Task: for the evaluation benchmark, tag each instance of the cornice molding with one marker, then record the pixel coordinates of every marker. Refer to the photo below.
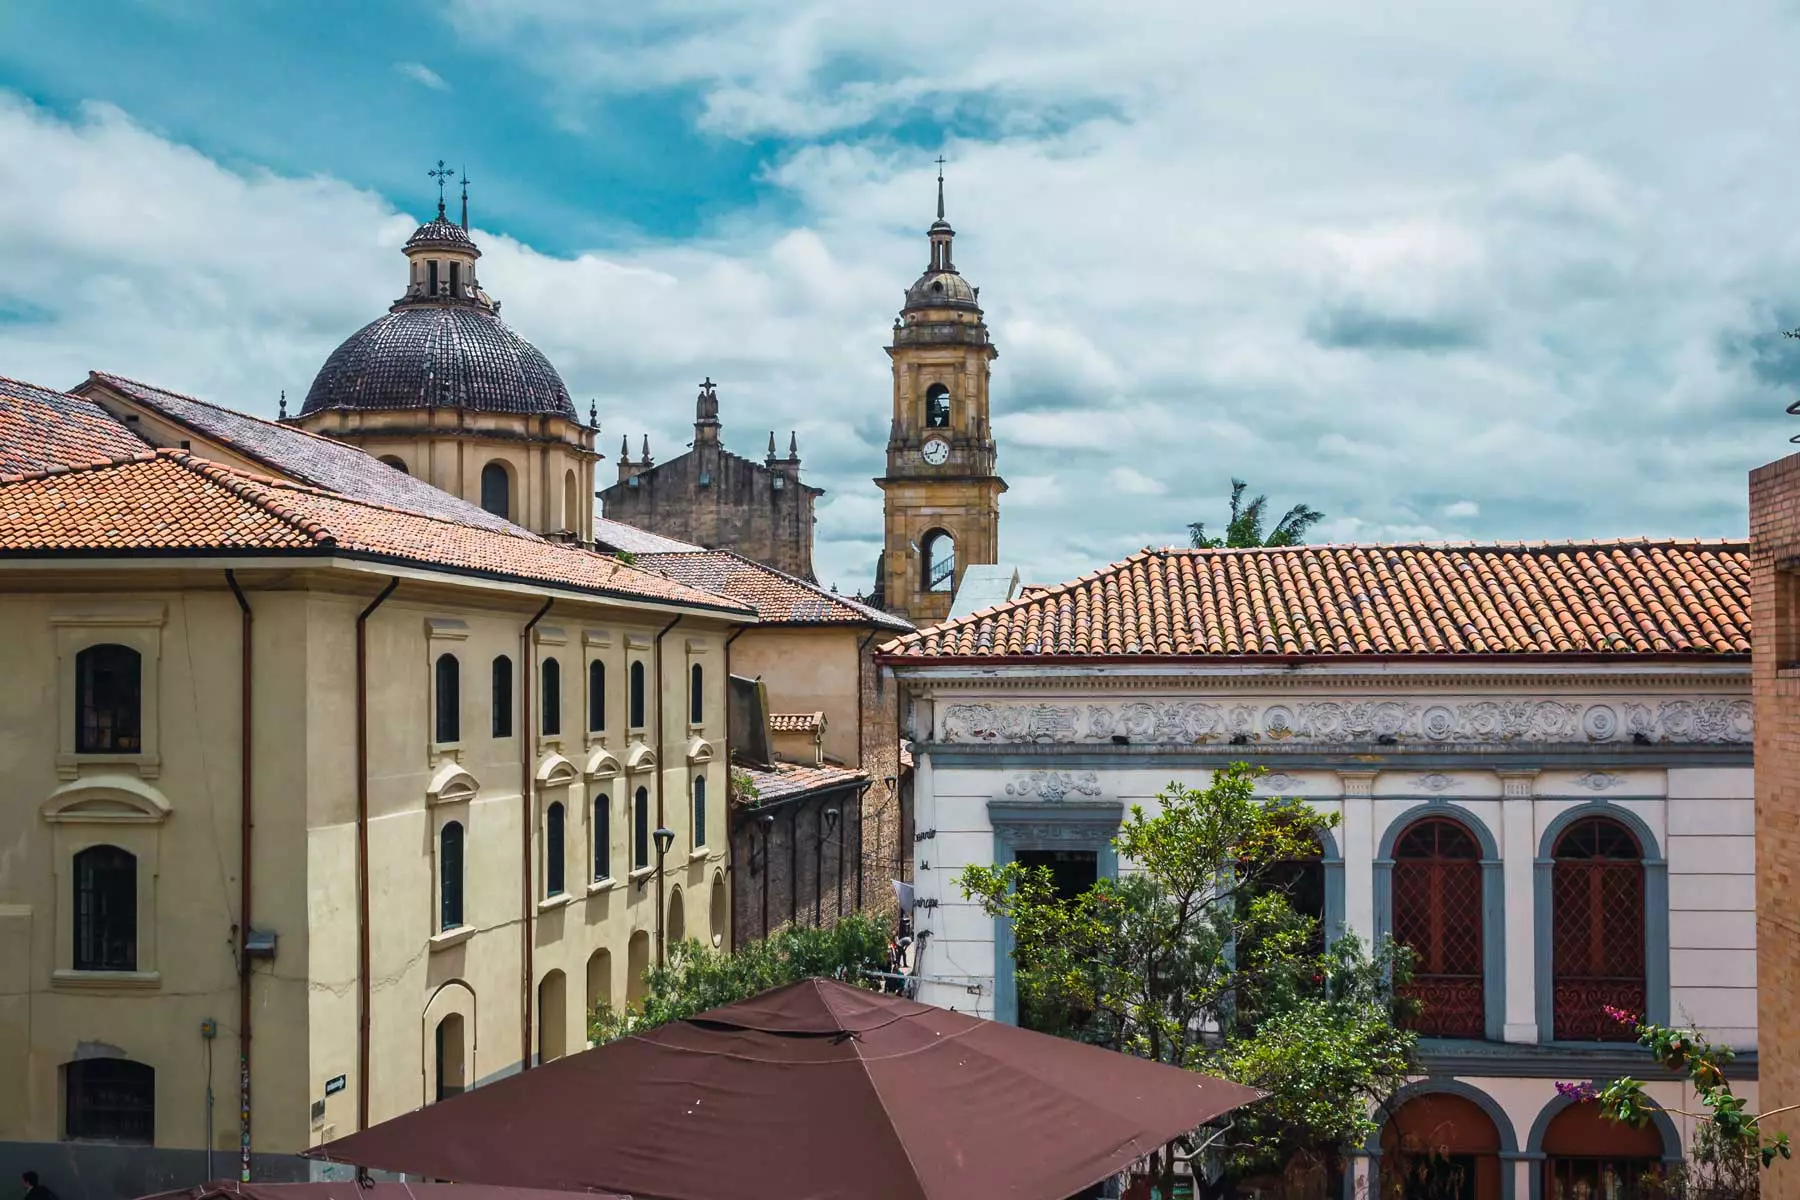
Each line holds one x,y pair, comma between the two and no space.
1714,677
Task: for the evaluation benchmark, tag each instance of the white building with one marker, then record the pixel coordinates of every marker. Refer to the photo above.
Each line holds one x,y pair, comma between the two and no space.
1540,755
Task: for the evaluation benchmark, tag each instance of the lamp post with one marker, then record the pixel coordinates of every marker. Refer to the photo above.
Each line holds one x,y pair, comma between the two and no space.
665,837
828,821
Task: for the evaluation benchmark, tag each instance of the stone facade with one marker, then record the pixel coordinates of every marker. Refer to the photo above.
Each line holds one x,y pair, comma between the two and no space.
1774,548
723,501
1049,757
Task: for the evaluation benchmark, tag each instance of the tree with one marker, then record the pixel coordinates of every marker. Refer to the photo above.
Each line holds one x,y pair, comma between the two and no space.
1245,529
1197,958
1730,1150
694,978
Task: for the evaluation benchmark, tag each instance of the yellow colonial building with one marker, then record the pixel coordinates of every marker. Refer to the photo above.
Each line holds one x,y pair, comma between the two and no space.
314,768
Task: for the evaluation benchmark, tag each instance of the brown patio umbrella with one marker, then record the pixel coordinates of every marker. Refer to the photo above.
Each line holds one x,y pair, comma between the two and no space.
813,1091
231,1189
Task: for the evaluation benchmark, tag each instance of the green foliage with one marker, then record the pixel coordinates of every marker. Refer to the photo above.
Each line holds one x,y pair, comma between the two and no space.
1729,1144
694,978
1197,959
626,557
739,787
1245,529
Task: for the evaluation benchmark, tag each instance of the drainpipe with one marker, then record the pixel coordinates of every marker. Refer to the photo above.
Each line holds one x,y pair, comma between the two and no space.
527,744
363,996
662,721
245,864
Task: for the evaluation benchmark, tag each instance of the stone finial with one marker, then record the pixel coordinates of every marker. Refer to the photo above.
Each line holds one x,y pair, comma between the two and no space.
771,443
793,446
646,449
282,412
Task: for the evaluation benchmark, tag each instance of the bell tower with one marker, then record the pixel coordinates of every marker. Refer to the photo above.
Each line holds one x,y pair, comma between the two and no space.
941,495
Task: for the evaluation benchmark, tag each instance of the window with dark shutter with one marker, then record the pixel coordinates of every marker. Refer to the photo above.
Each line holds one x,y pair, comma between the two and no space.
551,700
496,491
696,695
699,811
637,695
105,910
449,698
640,829
602,836
503,701
553,850
1437,911
108,700
450,876
110,1100
1597,929
596,697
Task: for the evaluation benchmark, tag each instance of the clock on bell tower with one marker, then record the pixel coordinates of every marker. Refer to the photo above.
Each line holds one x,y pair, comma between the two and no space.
940,495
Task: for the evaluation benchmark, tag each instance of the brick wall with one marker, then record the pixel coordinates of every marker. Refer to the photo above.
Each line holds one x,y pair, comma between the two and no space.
887,851
792,869
1775,540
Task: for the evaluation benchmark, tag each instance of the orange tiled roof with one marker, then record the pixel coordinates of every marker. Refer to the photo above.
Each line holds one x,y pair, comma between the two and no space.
41,430
788,781
1661,598
777,596
171,501
796,722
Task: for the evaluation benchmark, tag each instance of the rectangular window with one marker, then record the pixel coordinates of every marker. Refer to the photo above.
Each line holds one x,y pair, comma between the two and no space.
552,698
699,811
503,704
110,1100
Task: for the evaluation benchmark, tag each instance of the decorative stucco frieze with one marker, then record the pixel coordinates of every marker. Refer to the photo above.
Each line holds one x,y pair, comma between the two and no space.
1710,720
1054,785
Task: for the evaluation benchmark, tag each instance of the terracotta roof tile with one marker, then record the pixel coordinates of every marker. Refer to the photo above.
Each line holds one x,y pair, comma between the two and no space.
171,501
788,781
796,722
779,598
1663,598
41,429
304,456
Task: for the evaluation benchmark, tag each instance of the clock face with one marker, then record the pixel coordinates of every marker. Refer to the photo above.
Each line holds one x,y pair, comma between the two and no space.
936,451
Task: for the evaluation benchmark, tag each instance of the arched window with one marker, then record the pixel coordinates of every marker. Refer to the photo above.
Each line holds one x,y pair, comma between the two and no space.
602,837
696,695
496,490
105,910
449,699
553,850
396,463
1597,924
1437,911
699,811
551,699
677,916
637,695
571,502
1588,1155
640,829
503,704
553,1017
596,696
109,1100
937,559
1442,1146
719,916
108,702
599,982
937,407
450,876
450,1056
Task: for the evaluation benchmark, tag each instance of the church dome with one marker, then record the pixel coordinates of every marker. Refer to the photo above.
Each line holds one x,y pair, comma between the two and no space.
441,231
940,289
439,355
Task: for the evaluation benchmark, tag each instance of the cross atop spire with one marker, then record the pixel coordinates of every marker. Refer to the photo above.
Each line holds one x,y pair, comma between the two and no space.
440,174
940,165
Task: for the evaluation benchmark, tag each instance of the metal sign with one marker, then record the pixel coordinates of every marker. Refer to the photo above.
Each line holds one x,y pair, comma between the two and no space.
336,1084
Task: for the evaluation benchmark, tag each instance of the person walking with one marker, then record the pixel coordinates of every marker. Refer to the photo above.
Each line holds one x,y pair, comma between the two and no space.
35,1190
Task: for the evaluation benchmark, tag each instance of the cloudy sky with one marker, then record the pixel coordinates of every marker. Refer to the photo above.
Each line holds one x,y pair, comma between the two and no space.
1490,270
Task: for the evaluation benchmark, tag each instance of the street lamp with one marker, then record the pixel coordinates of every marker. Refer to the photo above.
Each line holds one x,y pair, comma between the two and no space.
664,838
828,823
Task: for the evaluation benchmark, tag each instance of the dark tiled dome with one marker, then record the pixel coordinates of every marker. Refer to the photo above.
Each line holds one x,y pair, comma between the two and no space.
441,231
940,289
439,355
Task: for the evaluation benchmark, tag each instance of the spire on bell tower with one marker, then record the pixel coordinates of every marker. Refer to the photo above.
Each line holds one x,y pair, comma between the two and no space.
940,233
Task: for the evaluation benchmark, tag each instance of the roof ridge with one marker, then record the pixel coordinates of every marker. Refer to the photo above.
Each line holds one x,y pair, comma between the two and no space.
228,411
146,455
1444,544
254,488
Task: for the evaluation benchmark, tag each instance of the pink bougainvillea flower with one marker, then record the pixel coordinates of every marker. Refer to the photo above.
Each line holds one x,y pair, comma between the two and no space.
1619,1014
1577,1092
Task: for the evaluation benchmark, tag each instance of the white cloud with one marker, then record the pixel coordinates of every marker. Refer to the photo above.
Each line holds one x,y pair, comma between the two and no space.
1495,270
421,74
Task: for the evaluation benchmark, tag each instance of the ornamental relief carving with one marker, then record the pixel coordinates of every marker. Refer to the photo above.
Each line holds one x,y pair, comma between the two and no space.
1709,720
1054,785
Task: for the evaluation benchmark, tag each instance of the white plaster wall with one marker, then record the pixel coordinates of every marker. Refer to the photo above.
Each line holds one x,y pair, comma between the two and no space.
1712,902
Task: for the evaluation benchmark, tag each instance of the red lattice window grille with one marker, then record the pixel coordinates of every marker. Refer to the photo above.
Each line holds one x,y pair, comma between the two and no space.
1597,922
1437,911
